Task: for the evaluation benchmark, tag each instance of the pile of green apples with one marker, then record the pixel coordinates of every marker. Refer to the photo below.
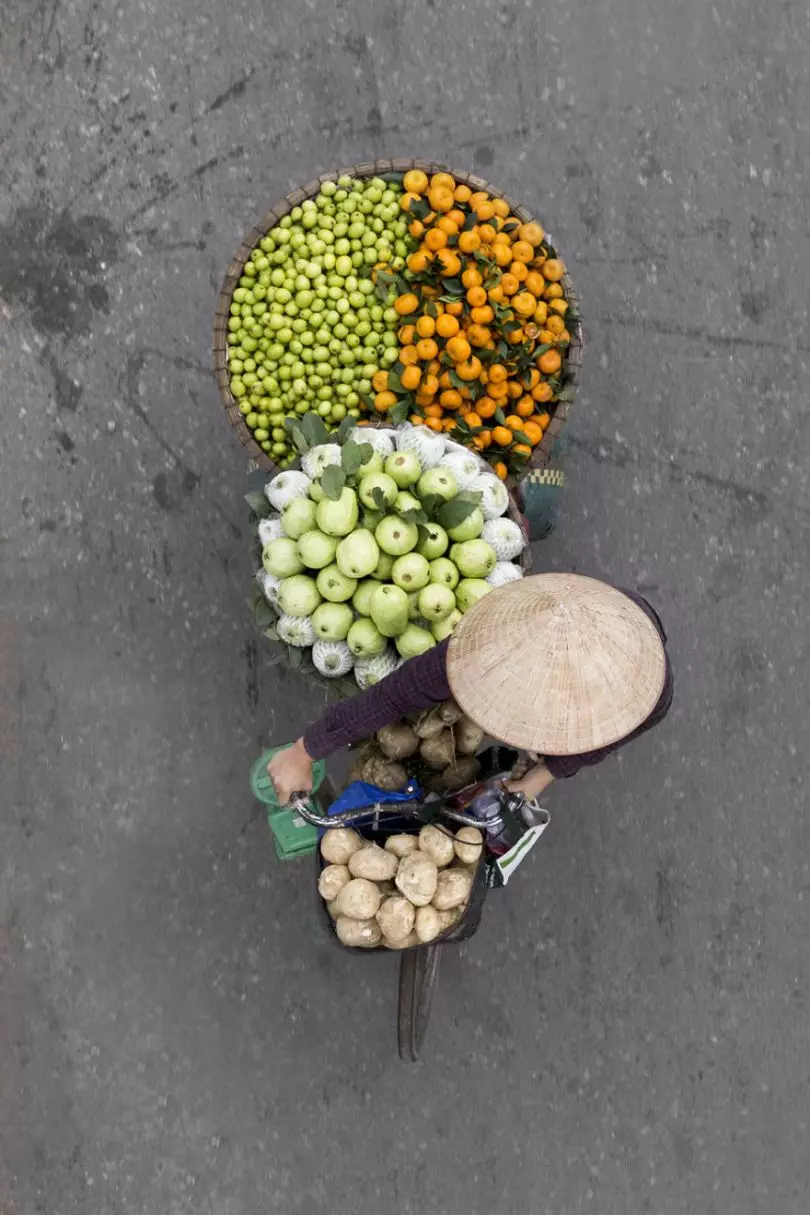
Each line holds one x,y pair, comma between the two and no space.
307,329
375,556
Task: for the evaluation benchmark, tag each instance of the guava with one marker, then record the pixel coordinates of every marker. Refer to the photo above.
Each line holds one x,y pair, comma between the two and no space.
317,492
374,464
370,518
443,571
436,601
281,558
413,606
317,550
361,599
385,484
298,517
338,518
334,585
469,528
395,536
404,467
438,481
474,558
298,595
469,591
435,542
411,572
443,628
364,639
332,621
384,565
413,641
358,554
389,610
405,501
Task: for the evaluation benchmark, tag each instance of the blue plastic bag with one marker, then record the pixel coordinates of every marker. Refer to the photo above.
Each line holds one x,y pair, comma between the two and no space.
358,793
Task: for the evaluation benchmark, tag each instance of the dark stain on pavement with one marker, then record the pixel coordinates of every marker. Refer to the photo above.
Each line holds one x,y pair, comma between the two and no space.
483,157
51,264
170,488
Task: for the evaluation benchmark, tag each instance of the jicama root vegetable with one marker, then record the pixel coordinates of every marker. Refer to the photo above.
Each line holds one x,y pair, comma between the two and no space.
429,724
428,923
385,774
452,889
332,880
339,843
438,844
468,736
468,845
374,863
416,878
359,899
456,776
407,942
397,741
449,712
438,751
401,845
396,917
362,934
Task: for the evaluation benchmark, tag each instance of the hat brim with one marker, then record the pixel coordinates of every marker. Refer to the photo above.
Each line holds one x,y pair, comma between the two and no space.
559,664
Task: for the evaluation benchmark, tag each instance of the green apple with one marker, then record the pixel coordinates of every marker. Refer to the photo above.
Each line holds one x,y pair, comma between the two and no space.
435,542
443,571
411,572
332,621
298,595
474,558
358,554
469,528
443,628
386,485
437,481
374,464
316,549
413,641
384,565
298,517
338,518
334,585
281,558
404,467
469,591
396,536
361,599
436,601
364,639
405,501
389,610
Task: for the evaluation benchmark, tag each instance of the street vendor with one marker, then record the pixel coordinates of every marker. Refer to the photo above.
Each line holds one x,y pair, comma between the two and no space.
560,666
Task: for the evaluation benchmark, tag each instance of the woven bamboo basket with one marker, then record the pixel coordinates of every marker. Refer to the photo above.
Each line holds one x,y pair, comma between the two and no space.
377,168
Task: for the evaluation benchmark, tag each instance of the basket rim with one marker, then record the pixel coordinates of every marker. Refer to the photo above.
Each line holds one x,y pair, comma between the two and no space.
542,453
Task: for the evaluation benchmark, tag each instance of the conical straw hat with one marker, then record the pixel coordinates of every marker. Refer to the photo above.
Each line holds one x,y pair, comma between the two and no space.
556,664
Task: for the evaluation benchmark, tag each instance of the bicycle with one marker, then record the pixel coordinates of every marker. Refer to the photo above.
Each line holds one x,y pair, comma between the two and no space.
419,964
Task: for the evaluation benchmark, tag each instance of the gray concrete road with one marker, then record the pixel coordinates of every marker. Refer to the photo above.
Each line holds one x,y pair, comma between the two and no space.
628,1032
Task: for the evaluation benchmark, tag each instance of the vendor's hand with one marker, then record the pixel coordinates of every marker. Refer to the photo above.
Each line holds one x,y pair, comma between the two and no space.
533,783
290,771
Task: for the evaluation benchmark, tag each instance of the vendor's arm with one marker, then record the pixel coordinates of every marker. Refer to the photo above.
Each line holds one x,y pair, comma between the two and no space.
533,783
418,684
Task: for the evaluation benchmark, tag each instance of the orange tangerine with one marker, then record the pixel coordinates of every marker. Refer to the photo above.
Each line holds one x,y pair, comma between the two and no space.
555,324
448,424
487,233
379,381
476,296
462,193
405,304
500,469
502,255
418,261
525,407
407,199
459,349
415,181
433,411
468,242
426,326
542,391
498,392
470,369
541,312
455,308
458,217
430,385
560,306
408,355
406,334
449,262
384,401
471,277
434,423
485,407
545,337
485,210
496,294
427,349
410,377
435,239
416,228
550,362
472,419
447,225
532,233
519,270
478,335
445,180
509,284
553,270
522,251
501,436
440,198
524,303
446,325
535,282
533,432
416,420
481,315
544,419
553,291
501,207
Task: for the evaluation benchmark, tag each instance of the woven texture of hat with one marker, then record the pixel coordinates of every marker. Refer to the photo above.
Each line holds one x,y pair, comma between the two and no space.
556,663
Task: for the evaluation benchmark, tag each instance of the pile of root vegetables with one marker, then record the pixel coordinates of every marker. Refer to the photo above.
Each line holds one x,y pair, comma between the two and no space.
437,747
406,893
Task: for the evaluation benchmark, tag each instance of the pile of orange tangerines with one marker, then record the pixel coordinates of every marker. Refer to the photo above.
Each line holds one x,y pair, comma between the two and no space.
483,333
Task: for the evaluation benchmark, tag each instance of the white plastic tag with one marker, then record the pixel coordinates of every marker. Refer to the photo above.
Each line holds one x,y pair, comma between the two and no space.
509,862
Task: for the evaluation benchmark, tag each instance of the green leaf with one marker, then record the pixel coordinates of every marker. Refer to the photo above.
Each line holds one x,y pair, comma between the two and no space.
430,502
500,417
452,513
431,310
333,481
424,533
469,222
456,380
256,479
511,227
521,437
470,495
350,458
314,429
346,426
366,451
414,516
264,614
258,504
502,349
395,383
271,634
299,440
366,399
538,350
255,597
290,423
454,286
419,209
378,498
382,291
296,656
399,412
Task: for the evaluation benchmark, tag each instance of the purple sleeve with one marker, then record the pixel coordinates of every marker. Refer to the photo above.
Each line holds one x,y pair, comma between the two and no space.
418,684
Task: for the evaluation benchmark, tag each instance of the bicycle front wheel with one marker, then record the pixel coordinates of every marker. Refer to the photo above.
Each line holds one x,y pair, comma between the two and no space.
418,970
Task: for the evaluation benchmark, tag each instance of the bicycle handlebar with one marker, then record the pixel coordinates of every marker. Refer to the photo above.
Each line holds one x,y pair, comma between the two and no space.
299,803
